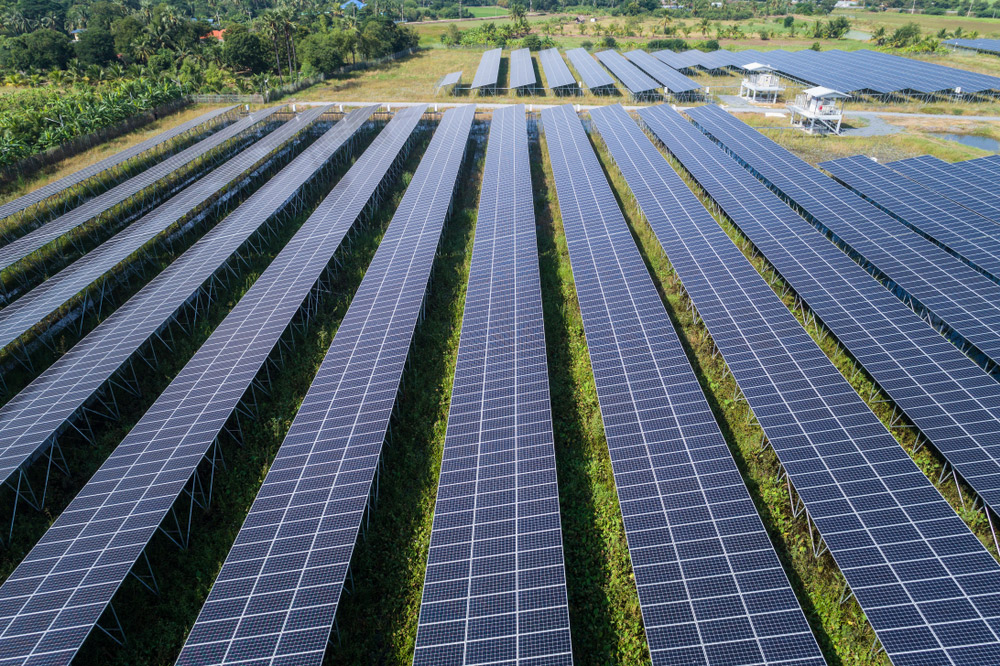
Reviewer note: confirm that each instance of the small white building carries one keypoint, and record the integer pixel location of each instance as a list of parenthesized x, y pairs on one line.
[(760, 81), (818, 110)]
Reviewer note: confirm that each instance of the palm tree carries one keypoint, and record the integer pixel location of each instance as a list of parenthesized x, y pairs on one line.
[(704, 25), (267, 23), (879, 36)]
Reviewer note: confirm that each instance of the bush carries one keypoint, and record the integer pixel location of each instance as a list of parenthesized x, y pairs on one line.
[(532, 42), (609, 42), (326, 52), (96, 47), (667, 44), (815, 46), (789, 21), (587, 44), (246, 52)]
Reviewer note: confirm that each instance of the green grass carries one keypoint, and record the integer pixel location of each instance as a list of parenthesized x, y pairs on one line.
[(483, 12)]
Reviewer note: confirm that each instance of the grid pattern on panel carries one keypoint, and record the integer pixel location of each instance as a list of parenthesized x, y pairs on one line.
[(711, 588), (988, 166), (23, 314), (488, 70), (53, 229), (77, 177), (522, 72), (52, 600), (557, 74), (35, 416), (967, 301), (495, 587), (671, 79), (631, 76), (955, 405), (965, 234), (594, 77), (979, 44), (450, 79), (275, 599), (975, 191), (924, 581)]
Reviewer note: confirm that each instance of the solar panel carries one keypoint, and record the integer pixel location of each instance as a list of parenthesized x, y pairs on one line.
[(594, 77), (495, 587), (954, 404), (488, 71), (924, 581), (557, 74), (36, 416), (24, 314), (711, 587), (276, 597), (136, 186), (637, 83), (670, 58), (201, 123), (448, 80), (980, 44), (53, 599), (975, 192), (671, 79), (984, 166), (920, 272), (522, 73), (970, 237)]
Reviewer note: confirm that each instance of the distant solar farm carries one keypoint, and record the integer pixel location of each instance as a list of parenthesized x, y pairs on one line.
[(311, 346)]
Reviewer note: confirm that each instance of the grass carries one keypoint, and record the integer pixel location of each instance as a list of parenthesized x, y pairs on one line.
[(487, 11), (46, 175)]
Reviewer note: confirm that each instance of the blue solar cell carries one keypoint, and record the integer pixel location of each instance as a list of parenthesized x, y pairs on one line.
[(522, 73), (671, 79), (199, 124), (276, 597), (966, 301), (594, 77), (971, 189), (488, 71), (970, 237), (711, 588), (637, 83), (33, 419), (557, 74), (496, 532), (54, 598), (900, 546)]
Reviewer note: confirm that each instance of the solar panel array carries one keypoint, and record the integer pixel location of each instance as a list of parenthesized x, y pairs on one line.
[(56, 187), (983, 166), (450, 79), (967, 301), (671, 79), (25, 313), (975, 191), (922, 578), (522, 72), (594, 77), (276, 597), (32, 242), (35, 417), (53, 599), (693, 58), (979, 44), (965, 234), (488, 71), (557, 74), (954, 404), (637, 83), (711, 588), (495, 586)]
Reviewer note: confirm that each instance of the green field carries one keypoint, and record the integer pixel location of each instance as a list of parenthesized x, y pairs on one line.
[(494, 10)]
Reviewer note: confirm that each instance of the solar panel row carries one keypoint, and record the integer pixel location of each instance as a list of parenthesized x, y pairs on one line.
[(979, 44), (276, 597), (522, 72), (32, 420), (557, 74), (594, 77), (488, 71), (970, 237), (972, 189), (675, 82), (920, 272), (203, 122), (54, 598), (38, 305), (495, 586), (954, 404), (711, 588), (923, 580), (134, 187), (637, 83)]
